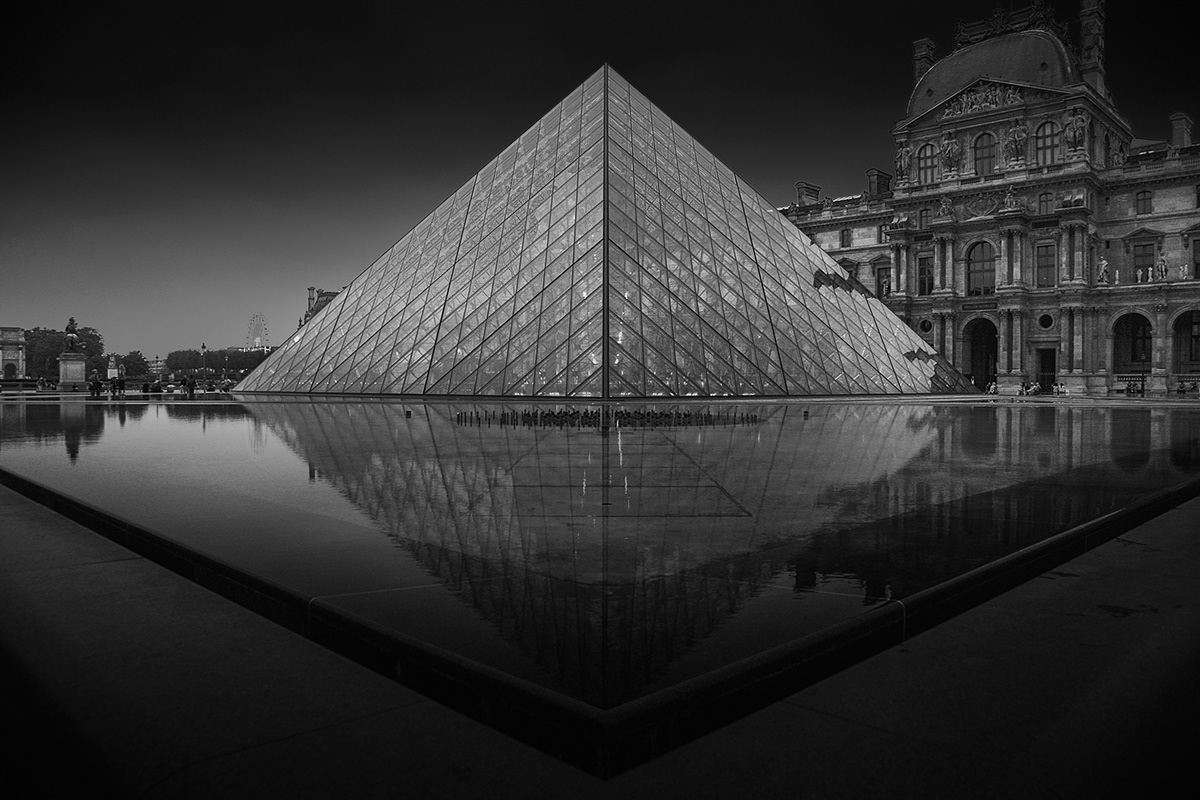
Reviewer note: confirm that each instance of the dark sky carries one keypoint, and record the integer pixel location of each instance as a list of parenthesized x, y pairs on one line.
[(170, 169)]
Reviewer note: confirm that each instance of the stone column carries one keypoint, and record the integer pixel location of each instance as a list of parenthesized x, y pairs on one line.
[(1018, 246), (1077, 270), (1018, 323), (1157, 385), (1060, 248), (940, 254), (953, 341), (1003, 365), (1004, 268)]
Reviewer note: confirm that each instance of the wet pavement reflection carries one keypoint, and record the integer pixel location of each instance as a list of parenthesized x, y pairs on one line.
[(605, 552)]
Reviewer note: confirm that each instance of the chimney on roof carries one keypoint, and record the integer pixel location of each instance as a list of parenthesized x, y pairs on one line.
[(1091, 44), (312, 297), (923, 57), (807, 194), (1181, 129), (878, 182)]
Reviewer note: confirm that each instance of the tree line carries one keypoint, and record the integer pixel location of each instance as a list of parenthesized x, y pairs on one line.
[(44, 345)]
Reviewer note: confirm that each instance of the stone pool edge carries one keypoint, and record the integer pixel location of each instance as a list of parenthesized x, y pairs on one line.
[(607, 742)]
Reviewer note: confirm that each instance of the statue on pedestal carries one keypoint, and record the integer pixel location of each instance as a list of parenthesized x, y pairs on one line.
[(1102, 277), (73, 341), (72, 361)]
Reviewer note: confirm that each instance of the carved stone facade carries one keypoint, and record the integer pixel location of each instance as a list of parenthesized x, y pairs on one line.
[(12, 353), (1029, 235)]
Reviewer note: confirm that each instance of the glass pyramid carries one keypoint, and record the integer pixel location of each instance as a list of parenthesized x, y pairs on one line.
[(605, 253)]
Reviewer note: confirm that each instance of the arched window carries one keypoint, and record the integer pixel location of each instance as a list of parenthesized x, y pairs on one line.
[(1045, 143), (985, 154), (927, 164), (981, 269), (1142, 340)]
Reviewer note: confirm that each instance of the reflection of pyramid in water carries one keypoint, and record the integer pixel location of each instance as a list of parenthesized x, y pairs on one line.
[(605, 254)]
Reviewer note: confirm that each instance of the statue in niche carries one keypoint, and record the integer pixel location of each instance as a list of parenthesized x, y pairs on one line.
[(72, 338), (1102, 276), (903, 160), (1014, 141), (1161, 267), (952, 155), (1075, 129), (1010, 200)]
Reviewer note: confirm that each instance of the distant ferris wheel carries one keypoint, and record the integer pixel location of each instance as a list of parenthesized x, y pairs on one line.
[(256, 333)]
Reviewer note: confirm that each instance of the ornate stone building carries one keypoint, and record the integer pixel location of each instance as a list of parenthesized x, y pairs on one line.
[(1028, 235), (12, 353)]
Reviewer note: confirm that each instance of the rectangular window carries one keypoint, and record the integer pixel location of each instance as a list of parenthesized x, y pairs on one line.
[(923, 218), (1143, 203), (925, 274), (1045, 203), (1195, 258), (1194, 343), (1046, 259), (881, 235), (845, 237), (1143, 261)]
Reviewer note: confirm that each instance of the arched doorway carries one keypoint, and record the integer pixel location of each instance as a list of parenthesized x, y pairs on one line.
[(1133, 344), (10, 371), (1186, 361), (980, 339)]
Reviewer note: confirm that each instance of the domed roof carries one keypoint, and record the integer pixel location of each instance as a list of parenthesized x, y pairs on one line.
[(1029, 57)]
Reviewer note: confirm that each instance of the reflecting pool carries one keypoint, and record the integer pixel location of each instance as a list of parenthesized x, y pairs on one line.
[(604, 553)]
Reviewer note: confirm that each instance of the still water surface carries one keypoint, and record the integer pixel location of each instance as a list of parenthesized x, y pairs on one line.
[(604, 558)]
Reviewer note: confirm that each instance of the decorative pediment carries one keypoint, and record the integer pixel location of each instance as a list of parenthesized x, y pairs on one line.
[(1141, 235), (1190, 233), (985, 95)]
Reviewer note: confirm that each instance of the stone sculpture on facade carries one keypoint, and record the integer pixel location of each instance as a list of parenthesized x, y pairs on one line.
[(952, 154), (983, 97), (1014, 141), (1102, 276), (1075, 130), (945, 208), (903, 161)]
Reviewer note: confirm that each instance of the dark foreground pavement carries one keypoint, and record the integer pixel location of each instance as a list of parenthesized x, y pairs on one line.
[(121, 676)]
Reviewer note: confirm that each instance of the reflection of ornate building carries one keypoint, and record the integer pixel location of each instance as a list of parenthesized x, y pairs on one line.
[(1029, 235), (12, 353)]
